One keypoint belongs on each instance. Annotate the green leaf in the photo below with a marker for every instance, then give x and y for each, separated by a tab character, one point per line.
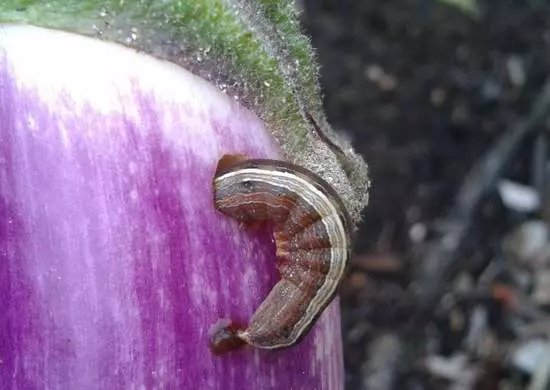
469	7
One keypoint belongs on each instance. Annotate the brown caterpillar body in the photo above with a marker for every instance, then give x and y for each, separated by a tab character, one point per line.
311	228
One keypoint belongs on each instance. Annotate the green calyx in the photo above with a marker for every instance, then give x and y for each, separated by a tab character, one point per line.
252	50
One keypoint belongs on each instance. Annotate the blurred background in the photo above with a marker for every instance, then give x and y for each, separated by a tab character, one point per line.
449	287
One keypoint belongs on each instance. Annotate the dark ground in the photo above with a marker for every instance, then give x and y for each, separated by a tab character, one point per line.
423	89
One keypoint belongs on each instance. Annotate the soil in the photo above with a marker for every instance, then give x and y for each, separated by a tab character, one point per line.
422	89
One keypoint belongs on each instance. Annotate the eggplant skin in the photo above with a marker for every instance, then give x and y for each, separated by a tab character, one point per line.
114	263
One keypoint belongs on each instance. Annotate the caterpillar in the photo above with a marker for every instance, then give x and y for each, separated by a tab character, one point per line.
312	234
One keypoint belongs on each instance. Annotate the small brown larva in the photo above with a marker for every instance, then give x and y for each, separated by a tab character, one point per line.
311	228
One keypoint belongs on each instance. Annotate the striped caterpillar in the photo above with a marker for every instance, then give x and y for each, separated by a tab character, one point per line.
312	233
